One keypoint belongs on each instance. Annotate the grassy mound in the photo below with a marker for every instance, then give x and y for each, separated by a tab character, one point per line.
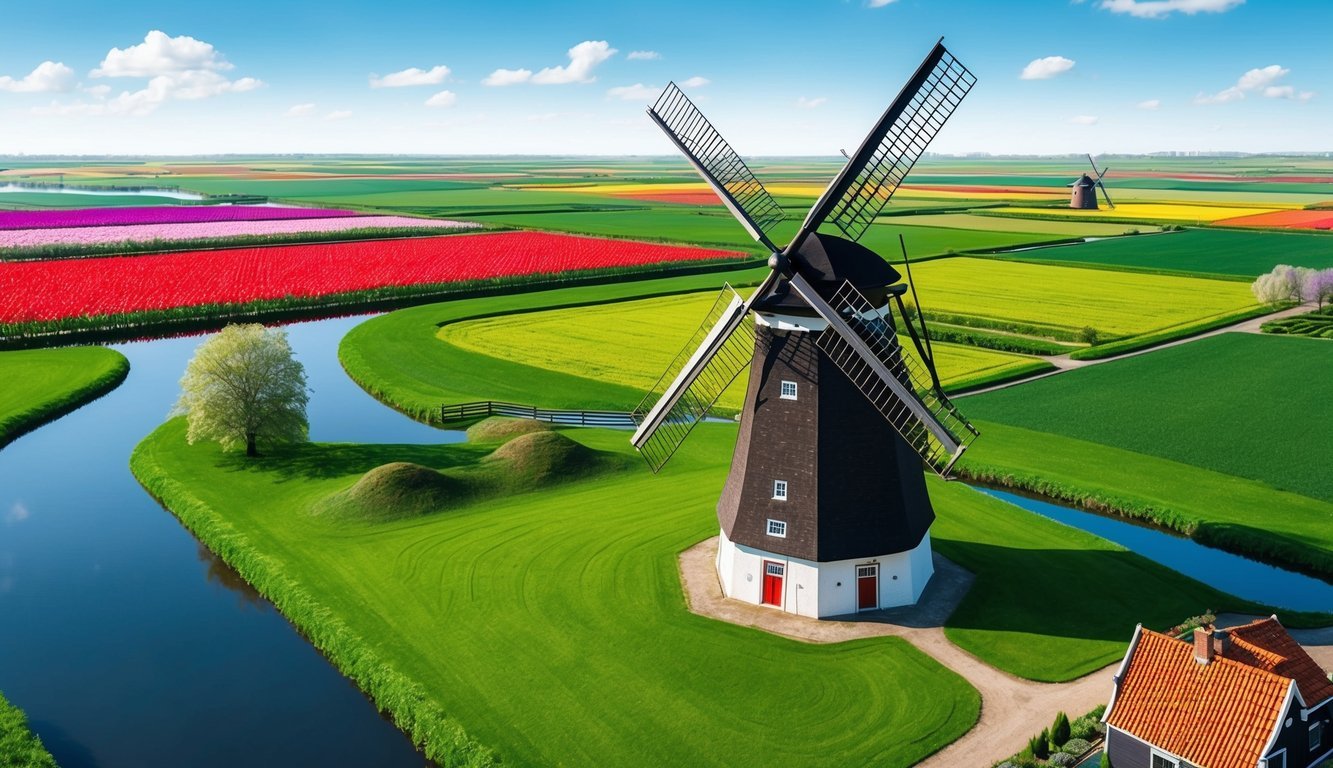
396	491
546	458
498	429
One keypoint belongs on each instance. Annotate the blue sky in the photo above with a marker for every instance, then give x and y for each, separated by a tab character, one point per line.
781	77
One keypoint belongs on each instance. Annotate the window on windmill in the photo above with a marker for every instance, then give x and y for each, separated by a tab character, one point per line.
780	490
777	528
788	390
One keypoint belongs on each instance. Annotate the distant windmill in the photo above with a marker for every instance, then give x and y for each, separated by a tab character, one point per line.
1084	194
825	509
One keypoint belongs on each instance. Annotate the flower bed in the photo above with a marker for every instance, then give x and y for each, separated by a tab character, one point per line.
158	214
208	230
52	291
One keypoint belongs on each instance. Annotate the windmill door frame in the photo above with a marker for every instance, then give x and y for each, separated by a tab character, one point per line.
775	576
867	587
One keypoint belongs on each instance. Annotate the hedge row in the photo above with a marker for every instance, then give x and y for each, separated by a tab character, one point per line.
1174	333
1026	345
441	738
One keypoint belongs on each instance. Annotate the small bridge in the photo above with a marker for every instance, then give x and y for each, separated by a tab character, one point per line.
481	409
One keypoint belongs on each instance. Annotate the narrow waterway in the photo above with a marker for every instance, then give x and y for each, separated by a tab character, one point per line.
60	189
128	645
1240	576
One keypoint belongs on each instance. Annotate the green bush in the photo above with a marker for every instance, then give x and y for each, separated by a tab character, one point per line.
1106	761
1076	747
1061	760
1041	744
1060	730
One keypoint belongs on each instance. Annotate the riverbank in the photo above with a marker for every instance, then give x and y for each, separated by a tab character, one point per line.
43	385
19	746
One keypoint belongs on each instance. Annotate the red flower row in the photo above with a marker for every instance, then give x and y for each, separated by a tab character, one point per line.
51	290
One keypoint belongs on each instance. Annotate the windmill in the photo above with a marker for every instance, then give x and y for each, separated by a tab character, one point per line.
825	509
1084	193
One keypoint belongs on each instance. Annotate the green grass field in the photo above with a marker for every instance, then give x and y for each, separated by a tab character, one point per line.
41	385
1242	404
1037	229
552	626
19	747
1200	251
1116	304
592	343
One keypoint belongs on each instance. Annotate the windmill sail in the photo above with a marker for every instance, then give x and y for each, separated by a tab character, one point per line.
1100	185
719	350
865	348
717	162
863	187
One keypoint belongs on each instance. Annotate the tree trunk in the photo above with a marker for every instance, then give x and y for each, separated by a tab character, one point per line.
250	449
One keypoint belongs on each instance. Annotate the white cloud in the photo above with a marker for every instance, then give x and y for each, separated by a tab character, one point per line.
338	114
48	76
442	99
1262	80
411	76
583	58
880	3
176	68
161	54
1046	68
695	82
1150	104
301	110
636	92
644	56
805	103
17	514
1083	120
1157	9
502	77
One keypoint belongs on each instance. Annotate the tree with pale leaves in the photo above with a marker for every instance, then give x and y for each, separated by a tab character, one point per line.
243	385
1318	287
1283	283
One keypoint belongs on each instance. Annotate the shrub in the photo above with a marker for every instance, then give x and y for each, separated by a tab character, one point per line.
1062	759
1076	746
1106	761
1087	727
1060	730
1088	335
1041	744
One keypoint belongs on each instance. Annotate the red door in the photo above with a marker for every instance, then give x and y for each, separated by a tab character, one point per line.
867	587
773	573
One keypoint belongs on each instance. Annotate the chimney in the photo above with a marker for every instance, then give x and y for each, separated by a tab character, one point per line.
1203	644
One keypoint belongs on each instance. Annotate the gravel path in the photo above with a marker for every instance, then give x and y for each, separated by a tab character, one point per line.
1012	709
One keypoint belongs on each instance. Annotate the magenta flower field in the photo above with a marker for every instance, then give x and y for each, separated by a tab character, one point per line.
204	230
161	214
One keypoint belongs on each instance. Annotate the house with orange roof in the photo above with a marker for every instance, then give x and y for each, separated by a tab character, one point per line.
1244	697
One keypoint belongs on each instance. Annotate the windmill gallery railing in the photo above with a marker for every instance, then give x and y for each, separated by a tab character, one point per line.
450	412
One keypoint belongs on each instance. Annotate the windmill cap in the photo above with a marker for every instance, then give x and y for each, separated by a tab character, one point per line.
827	261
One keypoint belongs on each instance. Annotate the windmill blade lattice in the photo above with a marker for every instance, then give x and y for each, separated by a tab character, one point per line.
713	357
717	162
865	348
863	187
1098	180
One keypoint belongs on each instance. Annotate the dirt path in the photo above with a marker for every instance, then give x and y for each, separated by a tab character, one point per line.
1012	709
1064	363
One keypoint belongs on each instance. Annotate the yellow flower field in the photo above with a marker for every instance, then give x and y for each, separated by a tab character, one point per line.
1188	212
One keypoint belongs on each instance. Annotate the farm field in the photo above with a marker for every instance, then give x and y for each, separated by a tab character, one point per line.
44	383
974	222
1195	403
1182	212
591	343
100	287
1198	251
1115	304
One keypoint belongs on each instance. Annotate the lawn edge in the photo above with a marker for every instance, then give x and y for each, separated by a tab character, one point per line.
424	722
43	413
20	747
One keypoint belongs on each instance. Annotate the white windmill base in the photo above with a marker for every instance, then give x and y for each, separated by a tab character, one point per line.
818	590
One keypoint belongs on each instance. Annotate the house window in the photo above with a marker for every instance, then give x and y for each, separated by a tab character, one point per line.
780	490
777	528
1316	736
788	390
1162	761
1278	760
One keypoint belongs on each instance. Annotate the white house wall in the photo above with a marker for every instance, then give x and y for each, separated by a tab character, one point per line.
823	589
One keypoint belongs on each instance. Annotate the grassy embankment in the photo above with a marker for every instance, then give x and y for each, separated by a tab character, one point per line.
19	746
544	620
1225	439
43	385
